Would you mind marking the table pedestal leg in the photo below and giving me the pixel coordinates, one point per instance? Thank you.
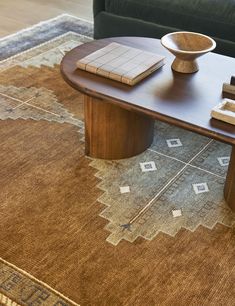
(112, 132)
(229, 188)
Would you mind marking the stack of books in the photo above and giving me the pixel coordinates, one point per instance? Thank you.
(121, 63)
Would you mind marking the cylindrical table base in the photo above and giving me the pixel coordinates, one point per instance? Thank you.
(229, 187)
(112, 132)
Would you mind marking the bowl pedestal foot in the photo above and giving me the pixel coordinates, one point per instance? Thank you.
(184, 66)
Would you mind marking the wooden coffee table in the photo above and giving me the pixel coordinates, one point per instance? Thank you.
(119, 119)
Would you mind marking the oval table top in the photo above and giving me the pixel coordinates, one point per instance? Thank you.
(184, 100)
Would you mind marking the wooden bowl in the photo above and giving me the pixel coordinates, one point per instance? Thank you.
(187, 46)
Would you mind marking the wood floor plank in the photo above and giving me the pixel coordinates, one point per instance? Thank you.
(17, 15)
(9, 25)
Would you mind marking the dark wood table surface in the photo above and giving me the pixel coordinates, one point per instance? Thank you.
(184, 100)
(119, 118)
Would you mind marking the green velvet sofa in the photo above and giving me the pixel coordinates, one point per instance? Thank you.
(154, 18)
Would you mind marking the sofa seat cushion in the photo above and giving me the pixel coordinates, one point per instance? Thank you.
(212, 17)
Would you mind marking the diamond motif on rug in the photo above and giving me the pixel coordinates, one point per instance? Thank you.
(174, 143)
(200, 188)
(177, 213)
(148, 166)
(224, 161)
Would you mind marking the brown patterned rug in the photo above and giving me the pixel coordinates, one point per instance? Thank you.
(150, 230)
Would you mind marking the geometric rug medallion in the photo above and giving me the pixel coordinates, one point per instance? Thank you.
(184, 189)
(62, 213)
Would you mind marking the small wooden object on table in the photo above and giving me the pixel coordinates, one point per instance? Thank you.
(225, 111)
(187, 47)
(119, 119)
(230, 88)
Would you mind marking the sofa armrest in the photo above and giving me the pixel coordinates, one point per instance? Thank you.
(98, 6)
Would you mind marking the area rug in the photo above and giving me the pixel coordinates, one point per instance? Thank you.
(149, 230)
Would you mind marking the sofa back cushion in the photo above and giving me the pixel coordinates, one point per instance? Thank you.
(212, 17)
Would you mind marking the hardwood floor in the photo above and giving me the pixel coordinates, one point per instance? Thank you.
(17, 15)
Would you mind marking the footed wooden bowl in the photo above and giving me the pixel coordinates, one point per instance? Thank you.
(187, 47)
